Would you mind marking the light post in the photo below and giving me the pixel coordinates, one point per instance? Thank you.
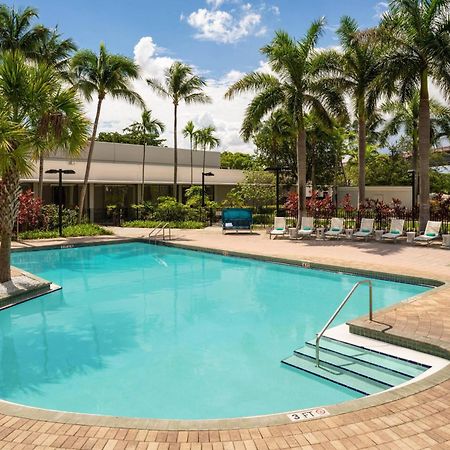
(205, 174)
(60, 172)
(412, 172)
(277, 171)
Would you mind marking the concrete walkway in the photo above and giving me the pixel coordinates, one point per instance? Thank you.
(412, 417)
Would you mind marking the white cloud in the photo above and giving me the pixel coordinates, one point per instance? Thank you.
(224, 114)
(226, 26)
(380, 9)
(215, 3)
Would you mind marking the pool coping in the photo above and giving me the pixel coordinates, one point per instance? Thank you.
(240, 422)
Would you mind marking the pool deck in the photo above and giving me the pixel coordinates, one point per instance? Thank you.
(416, 416)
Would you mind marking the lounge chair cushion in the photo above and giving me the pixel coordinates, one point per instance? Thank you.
(306, 228)
(395, 232)
(431, 234)
(279, 229)
(335, 229)
(365, 230)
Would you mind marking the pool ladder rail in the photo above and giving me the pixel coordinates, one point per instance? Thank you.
(160, 228)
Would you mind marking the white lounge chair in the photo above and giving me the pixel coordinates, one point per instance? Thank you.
(307, 227)
(336, 229)
(396, 230)
(365, 230)
(279, 227)
(431, 232)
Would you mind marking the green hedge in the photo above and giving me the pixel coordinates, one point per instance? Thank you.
(188, 224)
(85, 229)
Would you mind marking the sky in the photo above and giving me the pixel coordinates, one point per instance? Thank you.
(219, 38)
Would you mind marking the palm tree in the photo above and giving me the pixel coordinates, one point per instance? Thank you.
(295, 88)
(103, 74)
(418, 51)
(55, 51)
(355, 70)
(180, 84)
(205, 138)
(189, 131)
(147, 127)
(404, 116)
(17, 32)
(27, 120)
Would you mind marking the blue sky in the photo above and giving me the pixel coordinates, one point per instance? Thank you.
(221, 38)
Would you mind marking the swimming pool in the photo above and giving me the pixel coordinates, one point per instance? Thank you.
(153, 331)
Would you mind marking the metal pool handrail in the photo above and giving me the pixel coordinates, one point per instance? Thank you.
(160, 227)
(338, 310)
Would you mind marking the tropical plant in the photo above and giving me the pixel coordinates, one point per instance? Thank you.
(102, 74)
(238, 160)
(146, 127)
(257, 189)
(416, 36)
(189, 131)
(17, 32)
(355, 70)
(294, 87)
(204, 137)
(180, 84)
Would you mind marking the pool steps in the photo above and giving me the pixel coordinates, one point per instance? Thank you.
(357, 368)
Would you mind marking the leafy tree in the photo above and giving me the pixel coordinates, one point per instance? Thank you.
(147, 126)
(237, 160)
(204, 137)
(415, 33)
(257, 189)
(355, 70)
(294, 87)
(180, 84)
(102, 74)
(189, 131)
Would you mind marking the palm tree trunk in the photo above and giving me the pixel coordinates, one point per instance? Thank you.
(89, 160)
(9, 194)
(313, 166)
(301, 173)
(41, 175)
(192, 162)
(175, 153)
(361, 155)
(424, 152)
(415, 160)
(143, 173)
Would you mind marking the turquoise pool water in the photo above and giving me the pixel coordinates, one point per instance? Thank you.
(151, 331)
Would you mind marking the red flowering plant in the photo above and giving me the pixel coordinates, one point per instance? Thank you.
(346, 204)
(440, 205)
(291, 204)
(30, 215)
(320, 207)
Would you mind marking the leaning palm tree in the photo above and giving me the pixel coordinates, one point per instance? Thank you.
(180, 84)
(147, 127)
(404, 117)
(295, 88)
(53, 50)
(189, 131)
(418, 52)
(355, 70)
(26, 121)
(204, 137)
(17, 31)
(102, 74)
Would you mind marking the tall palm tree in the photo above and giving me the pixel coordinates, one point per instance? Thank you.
(204, 137)
(52, 49)
(418, 51)
(102, 74)
(26, 121)
(355, 70)
(189, 131)
(17, 32)
(404, 117)
(147, 127)
(294, 87)
(180, 84)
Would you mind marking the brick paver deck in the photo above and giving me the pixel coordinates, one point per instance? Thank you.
(413, 417)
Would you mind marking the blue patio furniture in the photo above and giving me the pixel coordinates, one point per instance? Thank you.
(237, 219)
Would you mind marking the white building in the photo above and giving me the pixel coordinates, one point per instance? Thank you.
(116, 176)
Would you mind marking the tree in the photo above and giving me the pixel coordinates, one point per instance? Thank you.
(146, 126)
(27, 121)
(404, 117)
(205, 138)
(294, 87)
(257, 189)
(189, 131)
(416, 36)
(237, 160)
(180, 84)
(17, 32)
(103, 74)
(355, 70)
